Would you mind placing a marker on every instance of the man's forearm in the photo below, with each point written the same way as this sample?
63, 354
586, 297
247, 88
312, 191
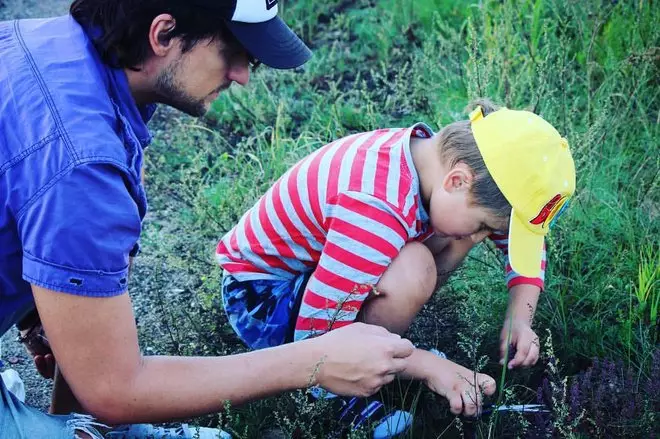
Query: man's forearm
523, 299
236, 378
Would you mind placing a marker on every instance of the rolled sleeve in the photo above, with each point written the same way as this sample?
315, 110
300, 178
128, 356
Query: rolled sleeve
77, 236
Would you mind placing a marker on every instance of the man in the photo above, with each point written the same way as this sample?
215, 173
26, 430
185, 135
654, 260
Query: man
76, 94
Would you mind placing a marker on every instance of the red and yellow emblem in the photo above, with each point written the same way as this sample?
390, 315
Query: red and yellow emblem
549, 213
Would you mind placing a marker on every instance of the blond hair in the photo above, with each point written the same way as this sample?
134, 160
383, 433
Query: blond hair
456, 144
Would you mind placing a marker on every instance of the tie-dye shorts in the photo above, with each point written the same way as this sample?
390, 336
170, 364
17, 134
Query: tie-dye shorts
263, 312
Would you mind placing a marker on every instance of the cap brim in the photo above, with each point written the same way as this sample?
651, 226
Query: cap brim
272, 42
525, 248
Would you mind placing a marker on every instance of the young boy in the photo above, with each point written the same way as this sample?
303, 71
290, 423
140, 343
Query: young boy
367, 228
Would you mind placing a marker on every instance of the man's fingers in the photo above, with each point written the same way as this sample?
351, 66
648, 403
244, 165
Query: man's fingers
388, 378
372, 329
398, 365
50, 365
45, 365
403, 348
40, 363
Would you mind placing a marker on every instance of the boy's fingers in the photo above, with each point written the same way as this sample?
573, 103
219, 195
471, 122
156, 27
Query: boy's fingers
471, 403
487, 385
455, 402
521, 354
506, 348
532, 355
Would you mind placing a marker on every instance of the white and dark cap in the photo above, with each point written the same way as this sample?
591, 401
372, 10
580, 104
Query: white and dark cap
257, 27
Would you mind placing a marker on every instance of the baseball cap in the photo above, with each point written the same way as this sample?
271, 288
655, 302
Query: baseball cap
257, 27
532, 165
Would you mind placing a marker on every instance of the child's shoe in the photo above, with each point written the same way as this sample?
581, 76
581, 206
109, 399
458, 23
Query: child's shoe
356, 412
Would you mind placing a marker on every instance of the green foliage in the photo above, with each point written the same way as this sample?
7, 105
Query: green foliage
590, 68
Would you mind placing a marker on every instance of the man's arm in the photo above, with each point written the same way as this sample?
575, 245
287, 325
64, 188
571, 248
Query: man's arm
95, 343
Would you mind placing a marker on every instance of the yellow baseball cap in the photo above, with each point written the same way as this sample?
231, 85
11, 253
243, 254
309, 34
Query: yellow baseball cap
532, 165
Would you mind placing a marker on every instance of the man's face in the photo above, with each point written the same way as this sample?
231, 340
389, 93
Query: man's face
193, 80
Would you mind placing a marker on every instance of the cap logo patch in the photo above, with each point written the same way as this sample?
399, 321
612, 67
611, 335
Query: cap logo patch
270, 4
549, 211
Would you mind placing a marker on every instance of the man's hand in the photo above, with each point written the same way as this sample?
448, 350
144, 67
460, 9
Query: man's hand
524, 342
359, 359
36, 344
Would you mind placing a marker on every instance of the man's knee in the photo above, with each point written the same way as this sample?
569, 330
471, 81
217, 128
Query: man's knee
413, 271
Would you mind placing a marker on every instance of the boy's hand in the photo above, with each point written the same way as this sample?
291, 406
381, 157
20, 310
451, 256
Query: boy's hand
524, 343
457, 384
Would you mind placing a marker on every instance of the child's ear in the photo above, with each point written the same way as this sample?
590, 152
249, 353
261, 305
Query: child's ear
459, 178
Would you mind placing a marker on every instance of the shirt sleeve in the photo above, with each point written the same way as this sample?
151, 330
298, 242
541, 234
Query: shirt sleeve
364, 235
78, 235
512, 278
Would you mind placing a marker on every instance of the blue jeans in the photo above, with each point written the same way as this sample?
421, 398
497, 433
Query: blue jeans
19, 421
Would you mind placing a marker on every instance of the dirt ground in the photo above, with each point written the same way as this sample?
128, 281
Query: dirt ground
10, 9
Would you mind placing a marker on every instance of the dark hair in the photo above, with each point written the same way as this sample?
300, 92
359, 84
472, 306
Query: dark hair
457, 144
120, 28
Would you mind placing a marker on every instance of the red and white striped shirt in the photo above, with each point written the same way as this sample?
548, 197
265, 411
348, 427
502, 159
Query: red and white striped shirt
343, 212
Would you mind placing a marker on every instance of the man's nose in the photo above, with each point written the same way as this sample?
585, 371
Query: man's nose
239, 72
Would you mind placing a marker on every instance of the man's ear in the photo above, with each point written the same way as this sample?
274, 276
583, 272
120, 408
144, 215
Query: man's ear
160, 34
459, 178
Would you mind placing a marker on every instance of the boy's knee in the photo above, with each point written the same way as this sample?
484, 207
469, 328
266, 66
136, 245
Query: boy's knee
413, 270
453, 255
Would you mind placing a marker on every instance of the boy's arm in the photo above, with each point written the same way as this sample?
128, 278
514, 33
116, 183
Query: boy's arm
523, 291
519, 344
523, 299
512, 278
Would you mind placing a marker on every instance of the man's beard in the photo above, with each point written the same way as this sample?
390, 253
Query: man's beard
171, 93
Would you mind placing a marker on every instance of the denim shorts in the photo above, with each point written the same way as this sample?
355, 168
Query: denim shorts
19, 421
263, 312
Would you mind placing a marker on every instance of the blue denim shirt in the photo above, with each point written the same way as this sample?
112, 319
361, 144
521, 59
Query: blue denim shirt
71, 149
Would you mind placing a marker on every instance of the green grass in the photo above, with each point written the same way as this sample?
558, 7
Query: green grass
590, 68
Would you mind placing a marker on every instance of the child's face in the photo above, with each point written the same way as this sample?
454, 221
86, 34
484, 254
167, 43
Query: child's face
453, 214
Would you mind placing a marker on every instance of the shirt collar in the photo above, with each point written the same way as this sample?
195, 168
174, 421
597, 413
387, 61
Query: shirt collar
137, 115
